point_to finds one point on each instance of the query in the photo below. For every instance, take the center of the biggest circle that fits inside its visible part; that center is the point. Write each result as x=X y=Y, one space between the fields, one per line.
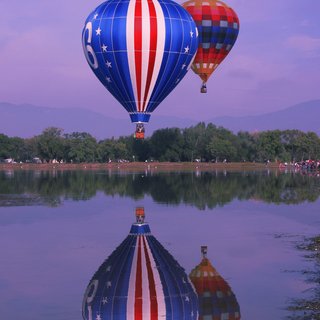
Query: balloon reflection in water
x=216 y=299
x=140 y=280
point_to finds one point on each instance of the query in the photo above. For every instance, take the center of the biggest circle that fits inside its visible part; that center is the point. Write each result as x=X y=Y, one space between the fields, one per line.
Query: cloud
x=304 y=43
x=255 y=67
x=305 y=23
x=241 y=74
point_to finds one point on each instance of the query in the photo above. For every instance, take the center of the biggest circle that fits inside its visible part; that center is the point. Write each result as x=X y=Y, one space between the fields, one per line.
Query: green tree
x=247 y=148
x=138 y=150
x=14 y=148
x=220 y=149
x=167 y=144
x=221 y=144
x=193 y=142
x=112 y=149
x=51 y=144
x=31 y=146
x=300 y=145
x=18 y=149
x=308 y=146
x=5 y=148
x=80 y=147
x=269 y=146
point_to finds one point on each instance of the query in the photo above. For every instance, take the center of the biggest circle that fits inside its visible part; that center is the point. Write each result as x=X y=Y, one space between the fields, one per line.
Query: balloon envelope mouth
x=140 y=117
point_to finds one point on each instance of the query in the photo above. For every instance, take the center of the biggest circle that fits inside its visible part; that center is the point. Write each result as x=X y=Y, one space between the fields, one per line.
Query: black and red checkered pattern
x=218 y=27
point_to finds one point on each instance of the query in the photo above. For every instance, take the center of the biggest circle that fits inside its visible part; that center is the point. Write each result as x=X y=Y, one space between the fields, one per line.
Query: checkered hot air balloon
x=140 y=50
x=216 y=299
x=218 y=27
x=140 y=280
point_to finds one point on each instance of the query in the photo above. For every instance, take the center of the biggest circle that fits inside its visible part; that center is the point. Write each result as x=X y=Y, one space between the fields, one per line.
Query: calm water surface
x=56 y=229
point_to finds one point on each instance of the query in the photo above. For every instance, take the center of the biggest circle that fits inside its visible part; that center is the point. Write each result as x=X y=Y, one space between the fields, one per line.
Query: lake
x=58 y=228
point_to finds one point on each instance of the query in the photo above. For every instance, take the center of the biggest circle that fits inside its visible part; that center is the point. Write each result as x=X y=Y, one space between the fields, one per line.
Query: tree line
x=202 y=142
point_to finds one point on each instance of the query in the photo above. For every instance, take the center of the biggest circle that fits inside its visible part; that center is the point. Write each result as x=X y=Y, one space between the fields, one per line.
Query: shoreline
x=141 y=166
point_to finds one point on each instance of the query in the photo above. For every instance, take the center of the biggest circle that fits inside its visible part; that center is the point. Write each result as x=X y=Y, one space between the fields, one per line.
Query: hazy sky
x=274 y=64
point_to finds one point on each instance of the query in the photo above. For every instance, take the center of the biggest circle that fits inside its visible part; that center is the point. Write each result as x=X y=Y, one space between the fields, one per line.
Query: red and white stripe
x=145 y=296
x=145 y=47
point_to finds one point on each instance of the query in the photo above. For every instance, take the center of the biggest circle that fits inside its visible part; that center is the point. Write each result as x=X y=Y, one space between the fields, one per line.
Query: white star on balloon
x=95 y=16
x=186 y=49
x=109 y=80
x=191 y=34
x=108 y=63
x=183 y=66
x=108 y=284
x=177 y=80
x=98 y=317
x=105 y=300
x=108 y=267
x=98 y=32
x=104 y=48
x=187 y=299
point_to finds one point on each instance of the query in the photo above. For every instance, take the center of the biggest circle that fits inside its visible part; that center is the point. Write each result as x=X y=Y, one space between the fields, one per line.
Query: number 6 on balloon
x=87 y=46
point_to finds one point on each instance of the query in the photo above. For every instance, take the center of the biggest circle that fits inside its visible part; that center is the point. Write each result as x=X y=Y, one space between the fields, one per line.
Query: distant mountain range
x=28 y=120
x=303 y=116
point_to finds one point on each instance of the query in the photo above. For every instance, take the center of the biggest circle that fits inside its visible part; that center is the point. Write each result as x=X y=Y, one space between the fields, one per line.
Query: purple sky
x=274 y=64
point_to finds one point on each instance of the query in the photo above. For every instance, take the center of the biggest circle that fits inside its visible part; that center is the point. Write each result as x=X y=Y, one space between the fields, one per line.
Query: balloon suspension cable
x=204 y=87
x=140 y=215
x=204 y=251
x=139 y=127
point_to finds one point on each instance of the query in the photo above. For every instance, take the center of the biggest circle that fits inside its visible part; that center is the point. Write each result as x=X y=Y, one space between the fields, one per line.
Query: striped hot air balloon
x=218 y=27
x=216 y=299
x=140 y=50
x=140 y=280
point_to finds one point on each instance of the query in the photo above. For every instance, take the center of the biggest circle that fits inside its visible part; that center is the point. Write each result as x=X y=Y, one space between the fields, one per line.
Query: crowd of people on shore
x=307 y=165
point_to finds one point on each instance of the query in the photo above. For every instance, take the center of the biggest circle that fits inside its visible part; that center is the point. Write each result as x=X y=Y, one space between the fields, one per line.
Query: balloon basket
x=139 y=135
x=203 y=89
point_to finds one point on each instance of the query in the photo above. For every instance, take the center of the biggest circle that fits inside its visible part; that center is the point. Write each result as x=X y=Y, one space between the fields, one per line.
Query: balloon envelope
x=140 y=50
x=218 y=27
